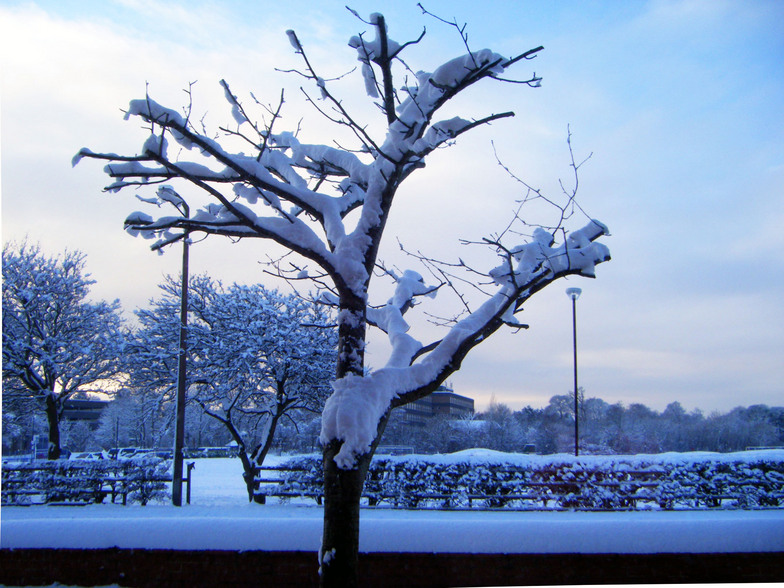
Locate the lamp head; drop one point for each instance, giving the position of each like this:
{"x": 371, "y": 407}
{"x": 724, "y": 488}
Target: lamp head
{"x": 573, "y": 293}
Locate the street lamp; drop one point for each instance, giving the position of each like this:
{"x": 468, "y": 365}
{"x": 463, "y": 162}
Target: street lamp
{"x": 574, "y": 294}
{"x": 182, "y": 366}
{"x": 167, "y": 194}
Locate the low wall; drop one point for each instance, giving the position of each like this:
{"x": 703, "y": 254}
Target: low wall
{"x": 141, "y": 567}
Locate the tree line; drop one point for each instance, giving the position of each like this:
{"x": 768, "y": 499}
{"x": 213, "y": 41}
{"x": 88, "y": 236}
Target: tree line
{"x": 605, "y": 429}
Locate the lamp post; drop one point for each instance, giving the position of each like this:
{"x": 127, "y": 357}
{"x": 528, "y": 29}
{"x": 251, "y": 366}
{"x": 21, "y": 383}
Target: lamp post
{"x": 182, "y": 363}
{"x": 574, "y": 294}
{"x": 167, "y": 194}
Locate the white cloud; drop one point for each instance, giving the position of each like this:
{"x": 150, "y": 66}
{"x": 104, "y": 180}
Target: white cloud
{"x": 679, "y": 101}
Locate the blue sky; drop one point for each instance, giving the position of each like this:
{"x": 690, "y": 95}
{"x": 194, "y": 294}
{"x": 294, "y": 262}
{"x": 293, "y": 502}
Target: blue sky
{"x": 680, "y": 104}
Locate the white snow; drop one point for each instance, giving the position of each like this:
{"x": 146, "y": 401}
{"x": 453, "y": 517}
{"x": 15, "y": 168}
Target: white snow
{"x": 221, "y": 518}
{"x": 293, "y": 40}
{"x": 155, "y": 144}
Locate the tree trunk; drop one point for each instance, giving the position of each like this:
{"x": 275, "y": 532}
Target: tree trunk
{"x": 53, "y": 419}
{"x": 258, "y": 457}
{"x": 248, "y": 470}
{"x": 260, "y": 454}
{"x": 248, "y": 473}
{"x": 248, "y": 467}
{"x": 339, "y": 553}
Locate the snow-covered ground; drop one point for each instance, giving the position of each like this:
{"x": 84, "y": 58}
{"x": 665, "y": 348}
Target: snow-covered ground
{"x": 220, "y": 517}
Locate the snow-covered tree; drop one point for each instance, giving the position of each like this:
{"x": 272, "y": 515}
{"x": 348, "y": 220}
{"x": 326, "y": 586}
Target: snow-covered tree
{"x": 76, "y": 435}
{"x": 330, "y": 205}
{"x": 255, "y": 357}
{"x": 503, "y": 433}
{"x": 136, "y": 417}
{"x": 23, "y": 418}
{"x": 56, "y": 343}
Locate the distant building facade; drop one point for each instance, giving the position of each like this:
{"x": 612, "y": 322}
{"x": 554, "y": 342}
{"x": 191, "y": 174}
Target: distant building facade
{"x": 88, "y": 411}
{"x": 442, "y": 402}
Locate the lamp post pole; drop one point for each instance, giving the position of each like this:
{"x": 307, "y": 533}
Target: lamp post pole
{"x": 167, "y": 194}
{"x": 574, "y": 294}
{"x": 179, "y": 429}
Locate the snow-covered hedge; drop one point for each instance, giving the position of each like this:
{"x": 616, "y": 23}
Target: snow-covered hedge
{"x": 203, "y": 452}
{"x": 481, "y": 478}
{"x": 68, "y": 481}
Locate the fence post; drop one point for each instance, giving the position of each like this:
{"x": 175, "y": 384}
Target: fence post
{"x": 191, "y": 465}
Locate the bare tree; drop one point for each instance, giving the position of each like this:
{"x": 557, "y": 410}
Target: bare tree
{"x": 330, "y": 205}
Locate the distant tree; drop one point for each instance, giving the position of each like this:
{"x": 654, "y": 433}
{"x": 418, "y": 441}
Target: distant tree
{"x": 593, "y": 412}
{"x": 562, "y": 407}
{"x": 298, "y": 434}
{"x": 641, "y": 425}
{"x": 777, "y": 419}
{"x": 675, "y": 427}
{"x": 742, "y": 428}
{"x": 329, "y": 205}
{"x": 201, "y": 430}
{"x": 502, "y": 430}
{"x": 255, "y": 357}
{"x": 136, "y": 417}
{"x": 20, "y": 420}
{"x": 76, "y": 435}
{"x": 434, "y": 435}
{"x": 56, "y": 344}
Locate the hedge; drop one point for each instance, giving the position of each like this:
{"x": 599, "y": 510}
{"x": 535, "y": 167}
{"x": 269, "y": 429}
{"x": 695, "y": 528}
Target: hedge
{"x": 487, "y": 479}
{"x": 78, "y": 482}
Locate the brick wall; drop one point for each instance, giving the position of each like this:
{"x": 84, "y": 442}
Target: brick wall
{"x": 138, "y": 567}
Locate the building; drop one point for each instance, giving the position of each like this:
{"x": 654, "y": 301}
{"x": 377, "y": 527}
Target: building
{"x": 88, "y": 411}
{"x": 450, "y": 404}
{"x": 442, "y": 402}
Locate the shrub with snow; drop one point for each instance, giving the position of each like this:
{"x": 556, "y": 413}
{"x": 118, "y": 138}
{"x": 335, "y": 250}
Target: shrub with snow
{"x": 491, "y": 479}
{"x": 141, "y": 480}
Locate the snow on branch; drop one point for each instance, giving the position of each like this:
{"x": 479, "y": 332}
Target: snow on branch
{"x": 275, "y": 192}
{"x": 353, "y": 412}
{"x": 389, "y": 318}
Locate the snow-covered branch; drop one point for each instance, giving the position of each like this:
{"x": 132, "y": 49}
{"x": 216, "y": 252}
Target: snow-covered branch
{"x": 284, "y": 174}
{"x": 353, "y": 412}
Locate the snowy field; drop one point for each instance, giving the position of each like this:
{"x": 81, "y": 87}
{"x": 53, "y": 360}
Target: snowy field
{"x": 220, "y": 517}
